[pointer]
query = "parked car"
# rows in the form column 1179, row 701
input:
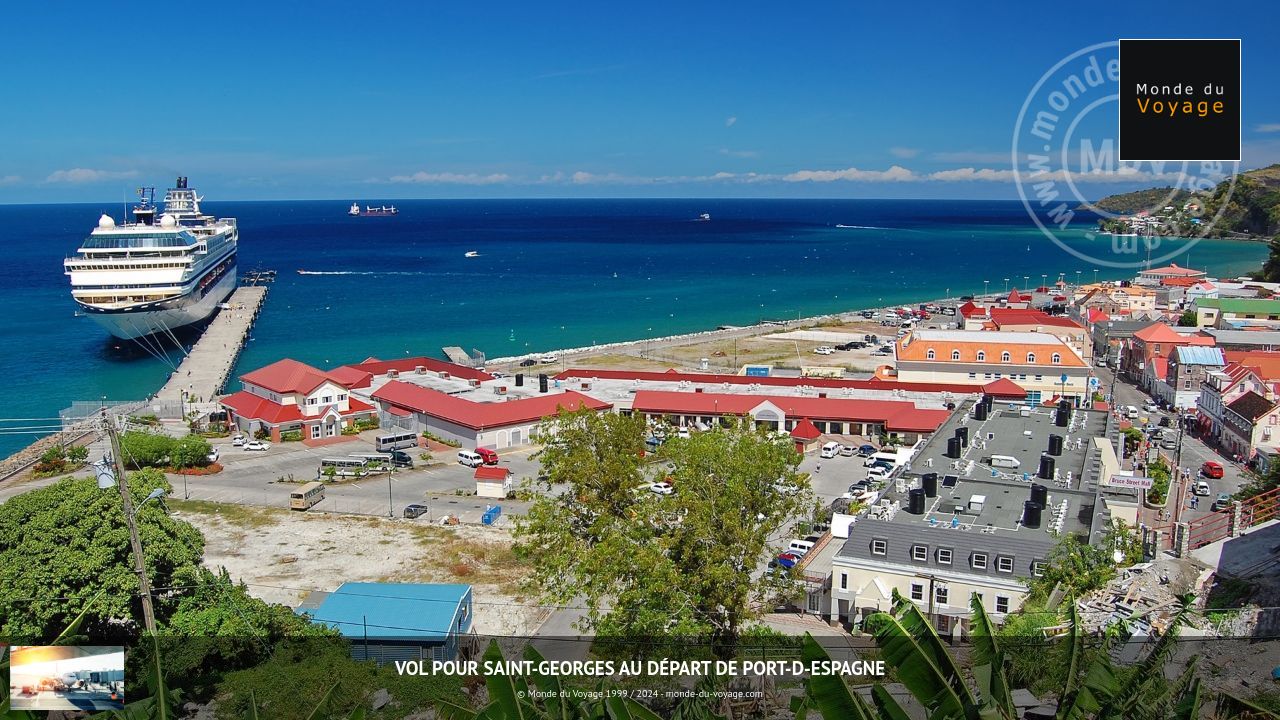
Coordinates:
column 1201, row 488
column 823, row 350
column 848, row 450
column 257, row 445
column 878, row 472
column 213, row 455
column 683, row 433
column 528, row 362
column 866, row 450
column 786, row 561
column 1131, row 412
column 1211, row 469
column 547, row 359
column 415, row 510
column 1151, row 407
column 239, row 440
column 1222, row 502
column 488, row 456
column 662, row 488
column 829, row 450
column 1165, row 421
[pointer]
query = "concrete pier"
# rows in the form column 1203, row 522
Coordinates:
column 206, row 369
column 458, row 356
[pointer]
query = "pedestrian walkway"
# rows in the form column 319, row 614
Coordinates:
column 204, row 372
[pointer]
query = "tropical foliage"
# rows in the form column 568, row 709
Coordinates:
column 678, row 565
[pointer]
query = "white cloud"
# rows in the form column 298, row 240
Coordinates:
column 739, row 153
column 896, row 173
column 1267, row 128
column 969, row 174
column 729, row 121
column 10, row 180
column 86, row 175
column 904, row 152
column 421, row 177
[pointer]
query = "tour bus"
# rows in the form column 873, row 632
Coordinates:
column 377, row 461
column 397, row 441
column 345, row 466
column 306, row 496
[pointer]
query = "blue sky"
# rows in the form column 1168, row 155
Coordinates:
column 572, row 99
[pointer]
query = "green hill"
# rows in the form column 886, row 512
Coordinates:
column 1132, row 202
column 1252, row 209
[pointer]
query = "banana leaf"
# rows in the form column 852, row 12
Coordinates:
column 828, row 693
column 921, row 630
column 915, row 666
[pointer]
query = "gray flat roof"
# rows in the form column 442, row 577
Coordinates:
column 979, row 506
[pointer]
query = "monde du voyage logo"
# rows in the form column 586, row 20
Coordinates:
column 1177, row 103
column 1179, row 100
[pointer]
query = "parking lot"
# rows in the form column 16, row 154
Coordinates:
column 265, row 478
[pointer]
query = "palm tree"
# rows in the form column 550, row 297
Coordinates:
column 1093, row 689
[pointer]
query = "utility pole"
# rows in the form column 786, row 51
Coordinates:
column 391, row 470
column 1177, row 468
column 135, row 542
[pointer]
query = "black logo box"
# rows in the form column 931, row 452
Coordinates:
column 1194, row 65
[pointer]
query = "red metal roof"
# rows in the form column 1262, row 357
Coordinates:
column 492, row 472
column 1014, row 316
column 351, row 377
column 1004, row 388
column 1171, row 270
column 1161, row 333
column 672, row 375
column 374, row 366
column 288, row 376
column 480, row 415
column 805, row 430
column 894, row 414
column 247, row 405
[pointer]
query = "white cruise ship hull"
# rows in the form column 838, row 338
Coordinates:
column 194, row 307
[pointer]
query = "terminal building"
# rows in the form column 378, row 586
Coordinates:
column 978, row 510
column 288, row 395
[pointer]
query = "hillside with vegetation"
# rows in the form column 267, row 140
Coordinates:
column 1139, row 200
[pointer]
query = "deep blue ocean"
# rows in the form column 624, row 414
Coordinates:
column 550, row 274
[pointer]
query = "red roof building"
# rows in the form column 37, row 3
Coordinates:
column 1157, row 340
column 828, row 415
column 805, row 430
column 374, row 366
column 496, row 425
column 291, row 396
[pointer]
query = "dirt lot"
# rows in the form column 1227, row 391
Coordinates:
column 283, row 555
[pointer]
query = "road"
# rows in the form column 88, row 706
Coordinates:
column 1194, row 454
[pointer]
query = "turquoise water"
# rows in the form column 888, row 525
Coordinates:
column 550, row 274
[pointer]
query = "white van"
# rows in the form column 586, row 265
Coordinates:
column 800, row 547
column 877, row 473
column 1004, row 461
column 1131, row 412
column 470, row 458
column 830, row 450
column 881, row 457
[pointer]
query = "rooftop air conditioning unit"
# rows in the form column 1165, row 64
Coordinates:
column 473, row 383
column 420, row 369
column 500, row 389
column 587, row 386
column 443, row 375
column 393, row 373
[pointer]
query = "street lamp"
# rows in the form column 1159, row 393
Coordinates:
column 1006, row 286
column 984, row 287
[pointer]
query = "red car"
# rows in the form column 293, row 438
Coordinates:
column 1211, row 469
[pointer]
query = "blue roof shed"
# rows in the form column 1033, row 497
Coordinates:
column 396, row 621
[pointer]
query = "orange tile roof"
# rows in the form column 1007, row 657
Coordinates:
column 994, row 348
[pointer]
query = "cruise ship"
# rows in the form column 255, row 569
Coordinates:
column 160, row 271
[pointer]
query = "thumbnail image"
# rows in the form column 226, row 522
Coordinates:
column 67, row 678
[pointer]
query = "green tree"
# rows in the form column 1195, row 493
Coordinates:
column 144, row 449
column 673, row 566
column 190, row 451
column 1187, row 318
column 62, row 544
column 1077, row 566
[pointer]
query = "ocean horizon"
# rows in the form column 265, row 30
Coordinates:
column 549, row 274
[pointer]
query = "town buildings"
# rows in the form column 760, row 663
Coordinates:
column 1040, row 363
column 1155, row 342
column 1237, row 312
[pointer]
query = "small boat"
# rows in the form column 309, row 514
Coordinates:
column 472, row 253
column 704, row 217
